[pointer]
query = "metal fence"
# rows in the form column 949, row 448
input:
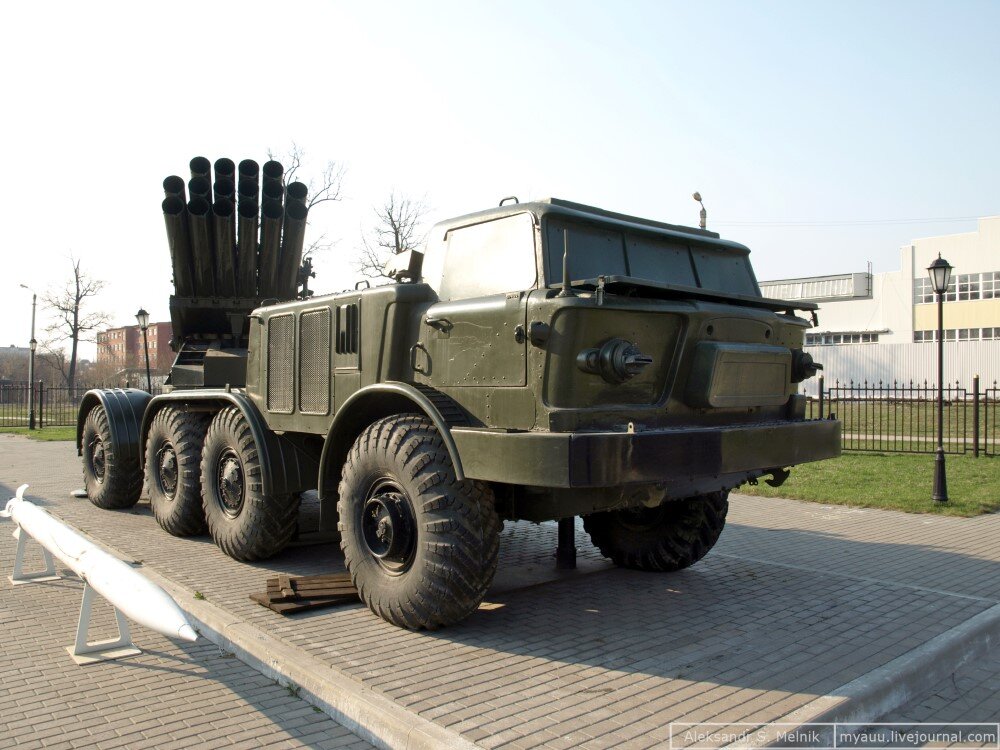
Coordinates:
column 14, row 404
column 902, row 417
column 991, row 414
column 880, row 417
column 55, row 406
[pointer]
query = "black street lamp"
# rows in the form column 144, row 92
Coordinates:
column 32, row 345
column 143, row 318
column 940, row 273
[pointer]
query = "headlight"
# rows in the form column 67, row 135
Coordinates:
column 616, row 361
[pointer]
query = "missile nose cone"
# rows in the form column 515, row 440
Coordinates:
column 186, row 633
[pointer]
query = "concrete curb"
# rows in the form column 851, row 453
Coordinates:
column 371, row 715
column 873, row 695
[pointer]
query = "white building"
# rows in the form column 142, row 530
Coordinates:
column 877, row 326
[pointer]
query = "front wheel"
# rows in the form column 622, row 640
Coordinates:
column 420, row 545
column 245, row 523
column 672, row 536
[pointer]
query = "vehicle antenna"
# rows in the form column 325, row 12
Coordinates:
column 567, row 291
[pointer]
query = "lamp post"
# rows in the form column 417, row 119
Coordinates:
column 32, row 345
column 940, row 273
column 703, row 215
column 143, row 319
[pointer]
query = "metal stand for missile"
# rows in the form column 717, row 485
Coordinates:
column 18, row 576
column 83, row 652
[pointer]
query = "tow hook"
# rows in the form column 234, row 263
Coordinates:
column 778, row 477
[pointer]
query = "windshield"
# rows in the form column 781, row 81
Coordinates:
column 600, row 250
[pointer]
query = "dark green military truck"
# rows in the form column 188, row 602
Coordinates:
column 479, row 387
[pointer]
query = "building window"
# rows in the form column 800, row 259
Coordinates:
column 963, row 287
column 958, row 334
column 991, row 285
column 968, row 286
column 832, row 339
column 923, row 293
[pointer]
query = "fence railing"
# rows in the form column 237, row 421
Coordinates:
column 903, row 418
column 54, row 406
column 880, row 417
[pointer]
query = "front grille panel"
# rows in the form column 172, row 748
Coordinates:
column 314, row 362
column 280, row 363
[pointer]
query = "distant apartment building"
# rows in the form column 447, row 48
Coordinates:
column 122, row 347
column 14, row 353
column 897, row 310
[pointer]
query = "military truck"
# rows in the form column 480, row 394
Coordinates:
column 538, row 361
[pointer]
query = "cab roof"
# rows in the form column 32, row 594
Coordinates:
column 580, row 211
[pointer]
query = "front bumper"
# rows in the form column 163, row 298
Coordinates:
column 609, row 459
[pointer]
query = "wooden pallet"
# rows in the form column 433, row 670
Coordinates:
column 289, row 594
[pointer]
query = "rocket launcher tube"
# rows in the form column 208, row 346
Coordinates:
column 270, row 247
column 201, row 167
column 202, row 257
column 293, row 239
column 224, row 228
column 176, row 219
column 246, row 227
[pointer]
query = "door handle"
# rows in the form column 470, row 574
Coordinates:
column 442, row 324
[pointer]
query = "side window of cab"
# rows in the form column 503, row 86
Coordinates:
column 483, row 259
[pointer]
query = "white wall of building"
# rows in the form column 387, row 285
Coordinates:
column 893, row 313
column 890, row 310
column 902, row 363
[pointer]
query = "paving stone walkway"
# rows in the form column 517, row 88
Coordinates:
column 796, row 601
column 173, row 695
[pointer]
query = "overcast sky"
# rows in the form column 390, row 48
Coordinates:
column 823, row 136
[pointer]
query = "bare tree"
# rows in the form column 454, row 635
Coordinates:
column 53, row 361
column 327, row 187
column 398, row 227
column 71, row 323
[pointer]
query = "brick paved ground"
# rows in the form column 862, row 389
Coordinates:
column 172, row 695
column 969, row 696
column 796, row 601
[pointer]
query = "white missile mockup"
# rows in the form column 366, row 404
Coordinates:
column 136, row 597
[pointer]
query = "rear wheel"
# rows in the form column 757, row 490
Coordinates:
column 112, row 481
column 672, row 536
column 173, row 470
column 245, row 523
column 421, row 546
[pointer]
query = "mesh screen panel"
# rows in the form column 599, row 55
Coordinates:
column 280, row 363
column 314, row 362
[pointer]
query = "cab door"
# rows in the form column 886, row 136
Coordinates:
column 475, row 334
column 477, row 341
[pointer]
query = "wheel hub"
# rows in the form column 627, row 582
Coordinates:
column 230, row 483
column 167, row 470
column 641, row 519
column 388, row 527
column 97, row 458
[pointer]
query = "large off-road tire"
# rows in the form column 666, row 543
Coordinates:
column 173, row 470
column 421, row 546
column 111, row 480
column 670, row 537
column 245, row 523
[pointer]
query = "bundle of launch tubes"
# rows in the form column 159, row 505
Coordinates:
column 240, row 236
